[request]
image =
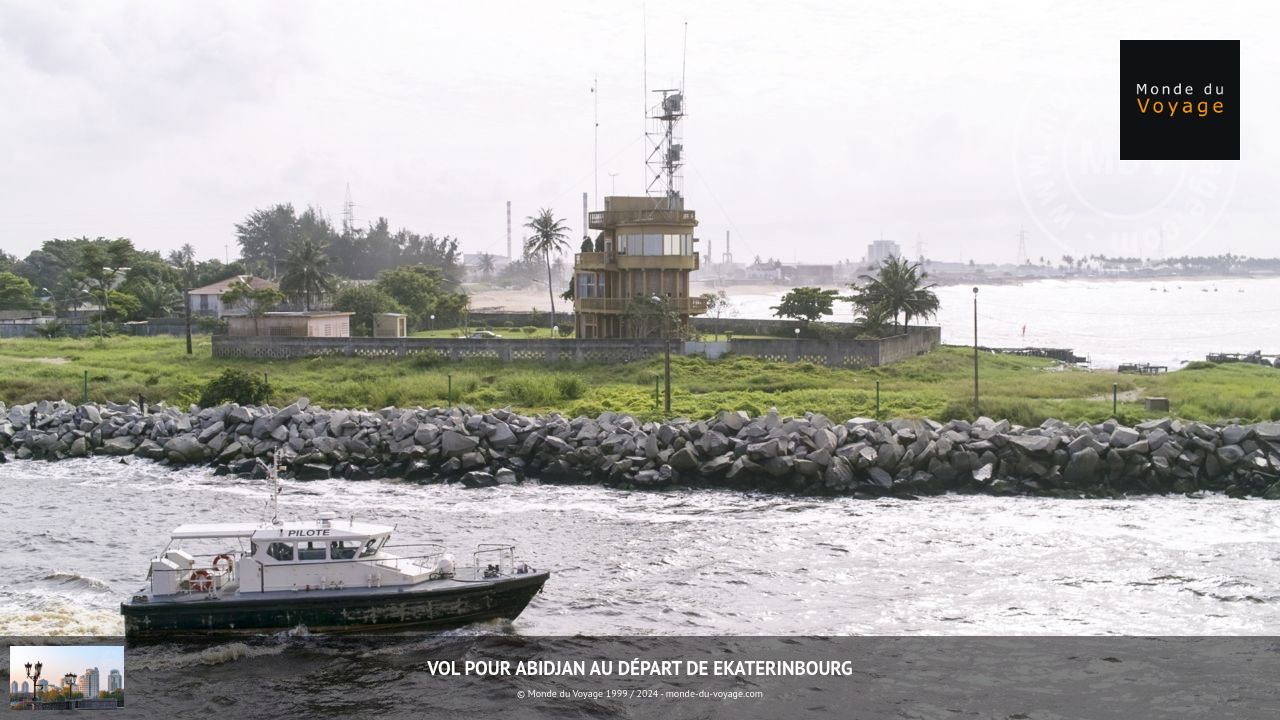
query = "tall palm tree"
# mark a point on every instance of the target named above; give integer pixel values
(895, 290)
(486, 264)
(306, 273)
(549, 235)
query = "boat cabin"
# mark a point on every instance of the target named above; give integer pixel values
(325, 553)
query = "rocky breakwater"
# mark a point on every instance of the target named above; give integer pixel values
(809, 454)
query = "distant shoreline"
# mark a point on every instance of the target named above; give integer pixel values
(497, 300)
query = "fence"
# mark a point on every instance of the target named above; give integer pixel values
(843, 353)
(280, 348)
(836, 353)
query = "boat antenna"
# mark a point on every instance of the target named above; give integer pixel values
(273, 473)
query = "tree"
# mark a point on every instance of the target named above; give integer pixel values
(122, 306)
(16, 293)
(486, 264)
(264, 236)
(365, 301)
(549, 236)
(717, 306)
(420, 291)
(156, 300)
(255, 302)
(183, 256)
(100, 265)
(306, 273)
(7, 261)
(805, 304)
(897, 289)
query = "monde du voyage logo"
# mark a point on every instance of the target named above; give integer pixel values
(1179, 99)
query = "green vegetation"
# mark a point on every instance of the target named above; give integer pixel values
(937, 385)
(806, 304)
(236, 386)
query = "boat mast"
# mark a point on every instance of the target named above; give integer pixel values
(273, 474)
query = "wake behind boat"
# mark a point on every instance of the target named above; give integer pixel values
(327, 574)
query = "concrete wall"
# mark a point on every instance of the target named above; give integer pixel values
(836, 353)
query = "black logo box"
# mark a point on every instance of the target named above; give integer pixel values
(1186, 65)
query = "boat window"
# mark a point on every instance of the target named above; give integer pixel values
(343, 549)
(371, 547)
(280, 551)
(310, 552)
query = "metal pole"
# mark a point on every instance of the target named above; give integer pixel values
(976, 411)
(450, 377)
(188, 316)
(657, 394)
(85, 395)
(666, 370)
(877, 399)
(1115, 398)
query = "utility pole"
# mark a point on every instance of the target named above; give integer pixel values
(976, 412)
(509, 256)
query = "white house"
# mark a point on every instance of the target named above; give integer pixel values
(207, 300)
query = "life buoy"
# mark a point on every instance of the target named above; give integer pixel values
(230, 562)
(201, 581)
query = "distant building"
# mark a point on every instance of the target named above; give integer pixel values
(89, 684)
(770, 270)
(390, 325)
(809, 274)
(13, 688)
(207, 300)
(880, 250)
(316, 323)
(646, 251)
(115, 681)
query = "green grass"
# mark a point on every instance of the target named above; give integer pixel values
(937, 385)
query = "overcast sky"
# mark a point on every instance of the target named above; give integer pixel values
(813, 127)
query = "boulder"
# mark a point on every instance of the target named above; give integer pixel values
(454, 443)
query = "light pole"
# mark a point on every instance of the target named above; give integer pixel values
(433, 323)
(69, 680)
(666, 352)
(35, 683)
(797, 346)
(976, 413)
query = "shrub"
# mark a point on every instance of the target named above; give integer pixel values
(236, 386)
(50, 330)
(570, 387)
(529, 330)
(1200, 365)
(211, 325)
(101, 328)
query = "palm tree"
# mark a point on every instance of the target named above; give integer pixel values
(486, 264)
(896, 290)
(549, 235)
(182, 257)
(159, 300)
(306, 273)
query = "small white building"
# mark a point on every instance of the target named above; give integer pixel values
(207, 300)
(292, 324)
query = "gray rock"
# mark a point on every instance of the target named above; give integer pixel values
(454, 443)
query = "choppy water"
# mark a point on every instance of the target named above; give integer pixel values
(79, 533)
(1163, 322)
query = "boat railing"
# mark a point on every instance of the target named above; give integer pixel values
(494, 556)
(414, 564)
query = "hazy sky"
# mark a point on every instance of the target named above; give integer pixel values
(813, 127)
(62, 659)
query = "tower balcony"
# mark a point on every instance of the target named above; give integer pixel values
(615, 261)
(680, 305)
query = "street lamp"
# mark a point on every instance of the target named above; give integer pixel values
(69, 680)
(976, 413)
(797, 346)
(433, 322)
(35, 683)
(666, 351)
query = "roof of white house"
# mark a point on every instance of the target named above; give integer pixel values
(222, 286)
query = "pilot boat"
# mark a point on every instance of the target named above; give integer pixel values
(327, 574)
